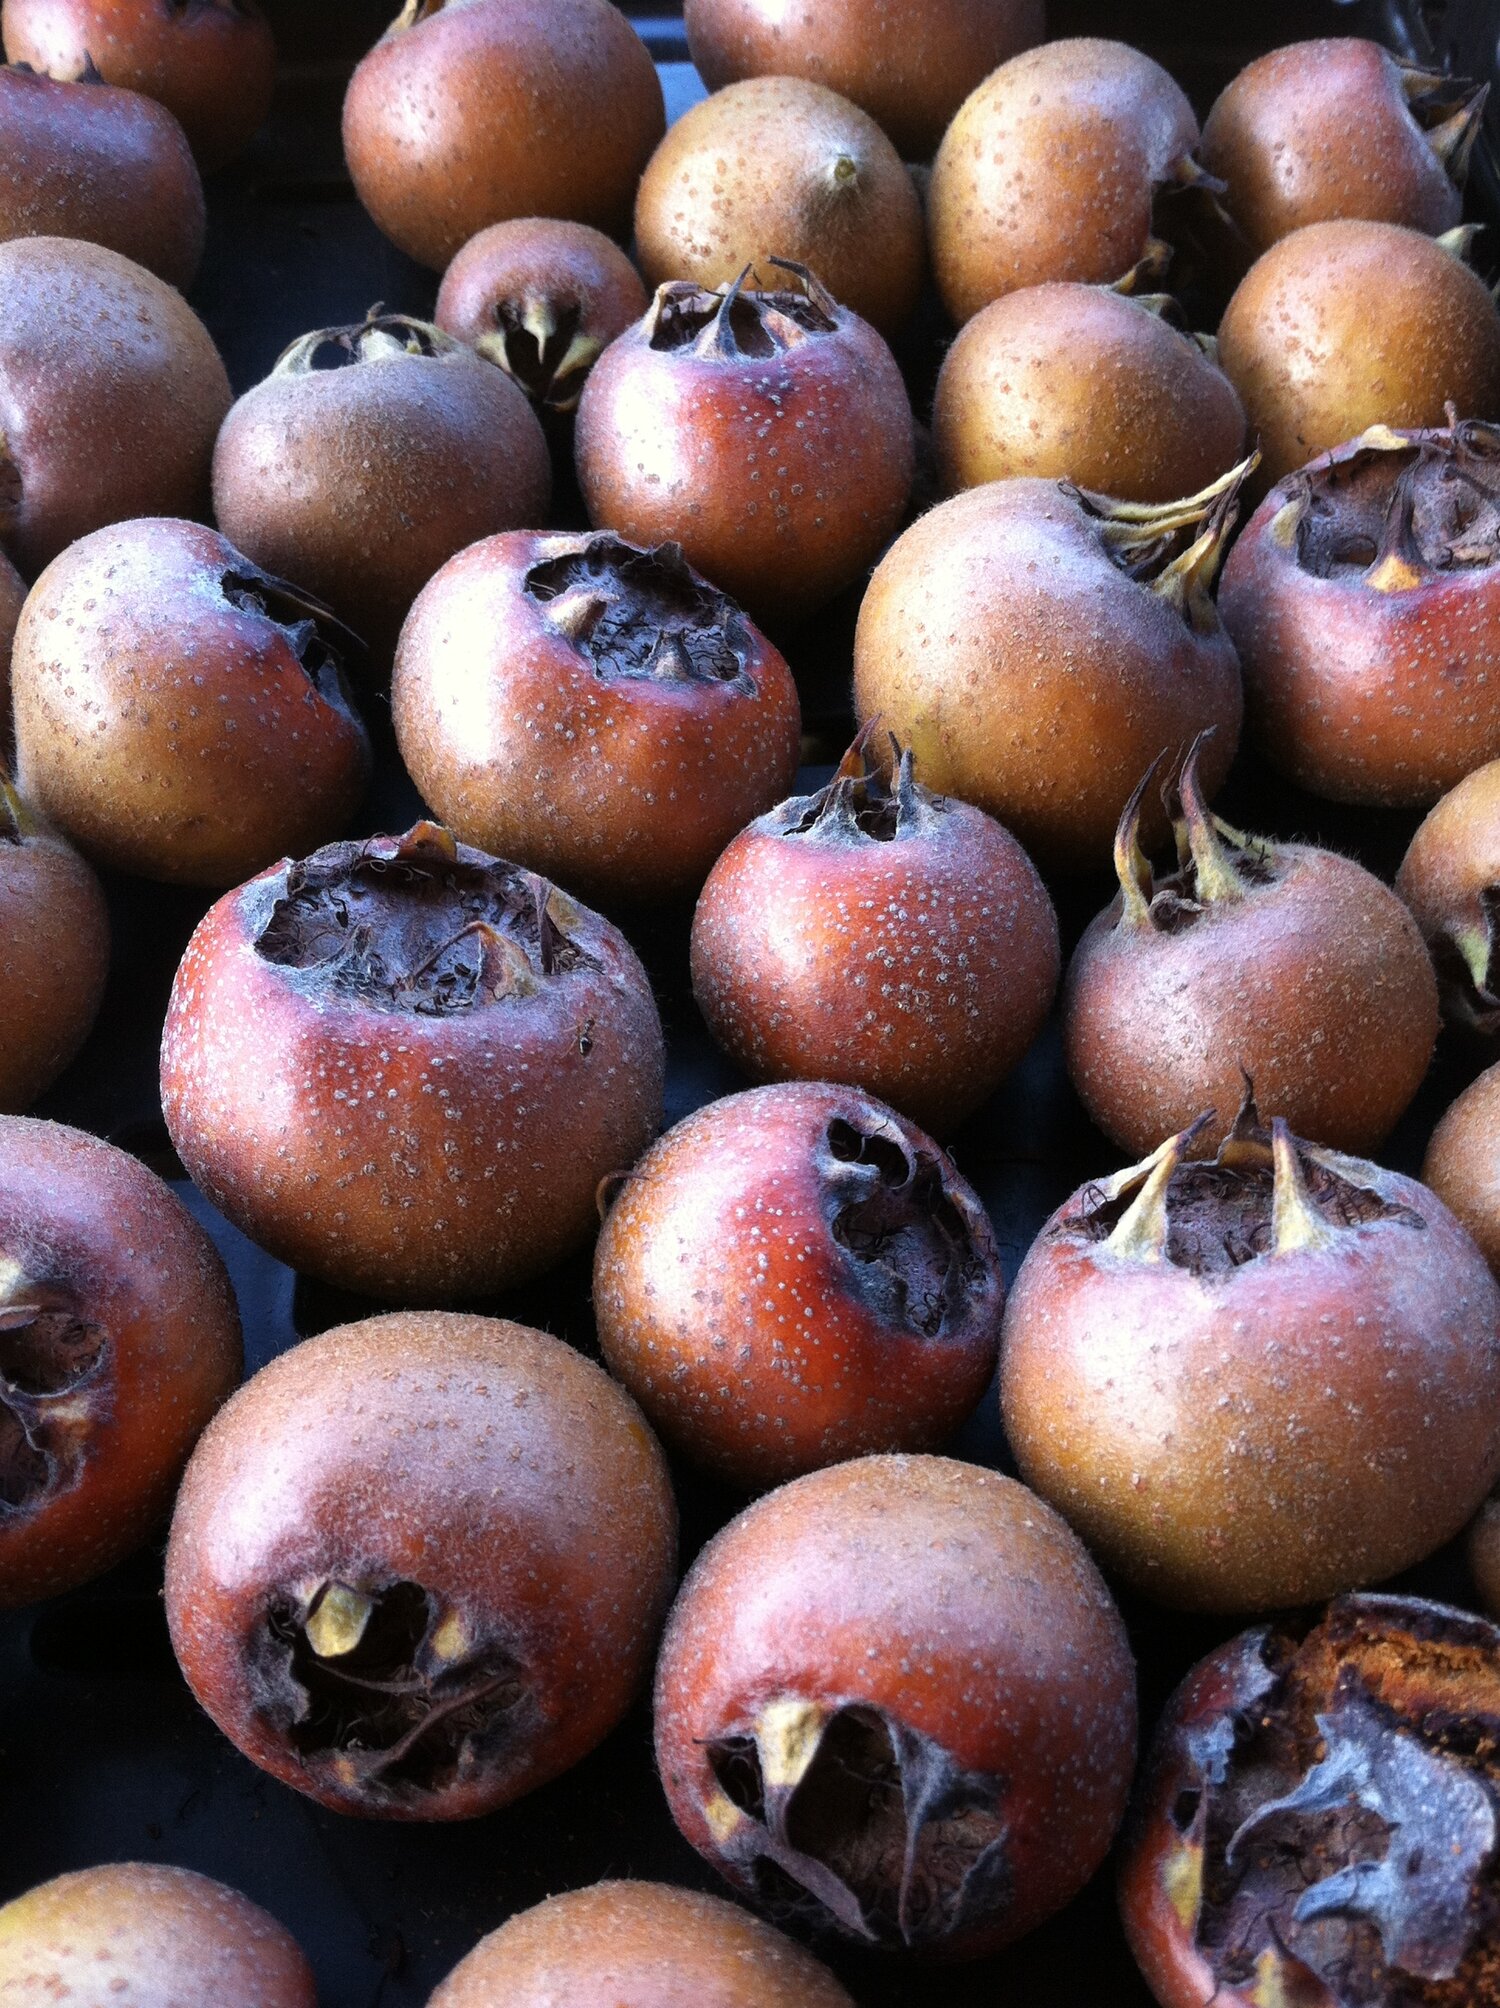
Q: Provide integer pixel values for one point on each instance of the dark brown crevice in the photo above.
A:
(25, 1468)
(1435, 504)
(535, 363)
(308, 625)
(889, 1207)
(345, 348)
(863, 803)
(734, 322)
(46, 1352)
(634, 613)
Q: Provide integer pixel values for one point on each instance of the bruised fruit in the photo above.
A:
(54, 952)
(1463, 1162)
(597, 711)
(435, 1661)
(854, 1283)
(895, 1697)
(1450, 879)
(1255, 1381)
(118, 1339)
(404, 1066)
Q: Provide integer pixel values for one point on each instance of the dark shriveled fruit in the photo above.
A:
(1463, 1162)
(1450, 878)
(54, 952)
(419, 1565)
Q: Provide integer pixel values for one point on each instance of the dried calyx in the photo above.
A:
(414, 13)
(406, 924)
(1168, 309)
(52, 1367)
(863, 803)
(1449, 110)
(314, 634)
(1467, 955)
(539, 342)
(642, 613)
(1216, 865)
(378, 338)
(1172, 548)
(731, 324)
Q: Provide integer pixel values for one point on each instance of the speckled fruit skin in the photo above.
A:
(112, 393)
(488, 1464)
(168, 729)
(84, 160)
(952, 1601)
(638, 1945)
(475, 111)
(777, 167)
(1463, 1162)
(758, 1340)
(361, 481)
(1084, 384)
(1450, 879)
(401, 1154)
(140, 1935)
(1050, 168)
(54, 953)
(626, 787)
(87, 1232)
(1341, 326)
(212, 63)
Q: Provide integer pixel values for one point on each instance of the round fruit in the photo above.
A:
(896, 1697)
(1036, 648)
(405, 1066)
(638, 1945)
(1484, 1555)
(1256, 1381)
(137, 1934)
(471, 112)
(54, 952)
(118, 1340)
(597, 711)
(1050, 170)
(1343, 326)
(1316, 1819)
(879, 934)
(436, 1661)
(768, 433)
(1450, 878)
(854, 1283)
(179, 712)
(1085, 384)
(542, 298)
(779, 168)
(1289, 964)
(1463, 1162)
(1364, 600)
(84, 160)
(368, 457)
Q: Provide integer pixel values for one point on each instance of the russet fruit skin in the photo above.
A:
(638, 1945)
(140, 1935)
(925, 1622)
(419, 1566)
(777, 167)
(769, 434)
(795, 1276)
(180, 713)
(1463, 1162)
(404, 1066)
(476, 111)
(85, 160)
(1450, 879)
(113, 393)
(362, 480)
(1253, 1383)
(120, 1338)
(878, 934)
(1050, 169)
(54, 952)
(598, 712)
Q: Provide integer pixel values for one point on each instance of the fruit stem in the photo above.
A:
(1132, 868)
(1295, 1223)
(1214, 875)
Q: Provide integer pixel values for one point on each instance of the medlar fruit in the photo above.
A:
(54, 952)
(1450, 878)
(1463, 1162)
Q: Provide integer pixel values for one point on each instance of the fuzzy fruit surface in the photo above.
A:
(1450, 878)
(404, 1066)
(896, 1696)
(1254, 1382)
(419, 1566)
(54, 952)
(1462, 1164)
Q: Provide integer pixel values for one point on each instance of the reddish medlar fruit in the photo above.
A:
(854, 1285)
(54, 952)
(1281, 961)
(141, 1932)
(780, 168)
(542, 298)
(1050, 170)
(896, 1696)
(212, 63)
(769, 433)
(879, 934)
(1463, 1162)
(471, 112)
(404, 1066)
(118, 1340)
(112, 393)
(1450, 878)
(1364, 600)
(1316, 1821)
(179, 712)
(1036, 647)
(368, 457)
(85, 160)
(638, 1945)
(1343, 326)
(599, 712)
(435, 1661)
(1256, 1381)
